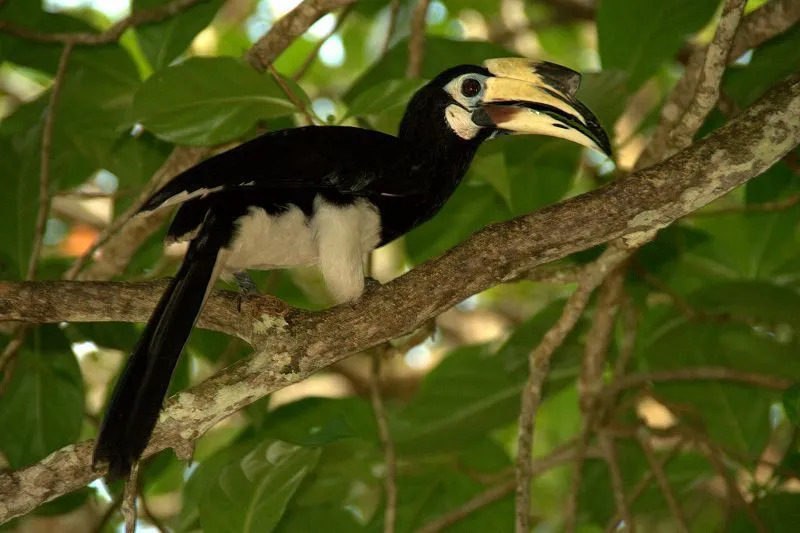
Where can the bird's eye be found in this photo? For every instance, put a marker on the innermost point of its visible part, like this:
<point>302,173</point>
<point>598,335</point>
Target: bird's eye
<point>470,87</point>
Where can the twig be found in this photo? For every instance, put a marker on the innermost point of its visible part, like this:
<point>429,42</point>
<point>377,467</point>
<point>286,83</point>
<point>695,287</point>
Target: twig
<point>590,382</point>
<point>765,207</point>
<point>641,486</point>
<point>112,34</point>
<point>707,90</point>
<point>539,364</point>
<point>12,349</point>
<point>108,513</point>
<point>148,514</point>
<point>309,60</point>
<point>558,457</point>
<point>129,499</point>
<point>46,156</point>
<point>416,40</point>
<point>551,274</point>
<point>598,340</point>
<point>298,103</point>
<point>617,486</point>
<point>762,24</point>
<point>389,458</point>
<point>713,456</point>
<point>630,326</point>
<point>571,505</point>
<point>394,11</point>
<point>661,479</point>
<point>291,26</point>
<point>701,374</point>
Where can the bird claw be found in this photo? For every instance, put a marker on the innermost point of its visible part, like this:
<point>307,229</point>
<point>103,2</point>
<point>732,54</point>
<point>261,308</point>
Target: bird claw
<point>246,285</point>
<point>370,284</point>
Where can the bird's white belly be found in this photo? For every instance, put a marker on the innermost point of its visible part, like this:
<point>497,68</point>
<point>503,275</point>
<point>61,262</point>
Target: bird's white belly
<point>266,241</point>
<point>335,237</point>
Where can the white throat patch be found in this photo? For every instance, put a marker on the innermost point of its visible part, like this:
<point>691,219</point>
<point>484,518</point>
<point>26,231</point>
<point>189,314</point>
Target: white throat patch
<point>460,121</point>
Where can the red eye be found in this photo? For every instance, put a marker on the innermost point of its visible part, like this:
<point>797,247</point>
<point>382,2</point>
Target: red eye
<point>470,87</point>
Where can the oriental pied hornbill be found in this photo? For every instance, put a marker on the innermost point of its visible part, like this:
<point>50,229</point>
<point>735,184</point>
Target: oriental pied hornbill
<point>327,195</point>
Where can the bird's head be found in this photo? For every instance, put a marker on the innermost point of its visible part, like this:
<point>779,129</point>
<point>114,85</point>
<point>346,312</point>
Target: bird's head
<point>507,96</point>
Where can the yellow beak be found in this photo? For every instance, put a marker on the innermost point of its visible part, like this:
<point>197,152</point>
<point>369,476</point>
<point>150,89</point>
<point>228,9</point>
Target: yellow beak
<point>529,97</point>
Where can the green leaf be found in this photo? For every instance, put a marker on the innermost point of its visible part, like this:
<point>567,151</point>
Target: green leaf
<point>637,37</point>
<point>779,512</point>
<point>320,421</point>
<point>771,62</point>
<point>473,390</point>
<point>252,491</point>
<point>734,414</point>
<point>440,54</point>
<point>44,399</point>
<point>163,41</point>
<point>345,479</point>
<point>791,404</point>
<point>383,97</point>
<point>227,99</point>
<point>541,171</point>
<point>472,207</point>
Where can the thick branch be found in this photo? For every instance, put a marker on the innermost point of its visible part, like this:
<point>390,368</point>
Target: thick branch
<point>292,347</point>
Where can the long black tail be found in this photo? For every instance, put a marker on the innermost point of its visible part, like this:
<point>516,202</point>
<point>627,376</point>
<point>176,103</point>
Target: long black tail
<point>141,388</point>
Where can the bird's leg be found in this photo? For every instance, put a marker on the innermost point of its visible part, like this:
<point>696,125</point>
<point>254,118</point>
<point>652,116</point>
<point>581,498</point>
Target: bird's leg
<point>370,284</point>
<point>246,287</point>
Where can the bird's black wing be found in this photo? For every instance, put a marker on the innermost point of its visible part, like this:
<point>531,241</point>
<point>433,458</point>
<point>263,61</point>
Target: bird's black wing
<point>341,159</point>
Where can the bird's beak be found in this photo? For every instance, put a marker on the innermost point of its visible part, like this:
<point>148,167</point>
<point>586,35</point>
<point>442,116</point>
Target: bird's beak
<point>529,97</point>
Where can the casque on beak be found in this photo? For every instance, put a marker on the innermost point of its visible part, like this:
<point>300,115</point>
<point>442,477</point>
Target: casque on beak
<point>530,97</point>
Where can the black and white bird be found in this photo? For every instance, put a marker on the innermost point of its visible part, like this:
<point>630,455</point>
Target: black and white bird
<point>327,196</point>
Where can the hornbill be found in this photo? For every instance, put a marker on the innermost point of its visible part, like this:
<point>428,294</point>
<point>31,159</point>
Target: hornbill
<point>327,195</point>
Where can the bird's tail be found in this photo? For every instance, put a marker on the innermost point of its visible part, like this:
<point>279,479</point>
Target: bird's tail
<point>140,391</point>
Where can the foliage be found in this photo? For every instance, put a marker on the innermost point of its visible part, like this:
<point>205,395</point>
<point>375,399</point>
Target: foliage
<point>720,289</point>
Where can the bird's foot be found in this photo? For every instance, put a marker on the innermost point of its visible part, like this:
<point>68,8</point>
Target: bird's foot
<point>246,287</point>
<point>370,284</point>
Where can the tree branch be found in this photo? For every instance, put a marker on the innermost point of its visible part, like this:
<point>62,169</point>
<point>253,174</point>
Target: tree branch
<point>291,26</point>
<point>759,26</point>
<point>416,40</point>
<point>292,346</point>
<point>539,365</point>
<point>112,34</point>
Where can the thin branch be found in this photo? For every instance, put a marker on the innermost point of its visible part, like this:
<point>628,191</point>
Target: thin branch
<point>617,485</point>
<point>701,374</point>
<point>493,494</point>
<point>394,11</point>
<point>389,458</point>
<point>130,492</point>
<point>539,365</point>
<point>12,349</point>
<point>112,34</point>
<point>765,207</point>
<point>663,482</point>
<point>291,344</point>
<point>291,26</point>
<point>571,505</point>
<point>714,457</point>
<point>309,60</point>
<point>598,341</point>
<point>148,514</point>
<point>641,486</point>
<point>762,24</point>
<point>108,513</point>
<point>416,40</point>
<point>293,98</point>
<point>707,90</point>
<point>46,157</point>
